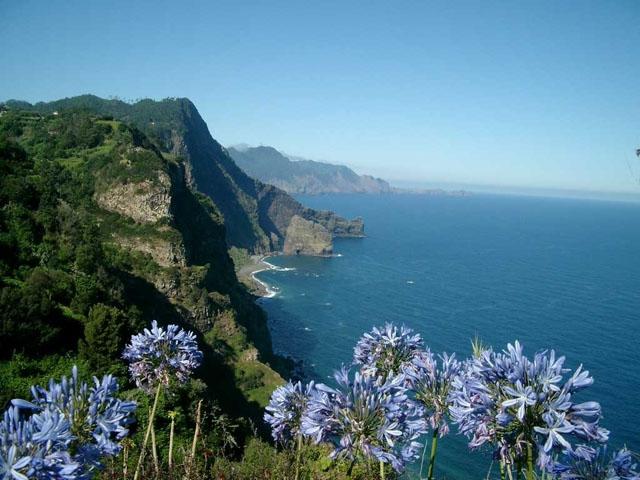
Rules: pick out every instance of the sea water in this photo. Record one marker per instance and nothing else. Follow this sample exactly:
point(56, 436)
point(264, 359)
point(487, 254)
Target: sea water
point(554, 273)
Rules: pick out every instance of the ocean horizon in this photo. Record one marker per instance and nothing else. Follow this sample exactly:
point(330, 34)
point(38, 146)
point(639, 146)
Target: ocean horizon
point(553, 273)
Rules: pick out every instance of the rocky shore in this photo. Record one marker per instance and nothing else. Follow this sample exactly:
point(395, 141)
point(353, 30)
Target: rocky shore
point(247, 275)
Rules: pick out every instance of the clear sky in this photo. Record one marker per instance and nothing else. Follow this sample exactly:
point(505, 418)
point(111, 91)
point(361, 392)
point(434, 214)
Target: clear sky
point(540, 93)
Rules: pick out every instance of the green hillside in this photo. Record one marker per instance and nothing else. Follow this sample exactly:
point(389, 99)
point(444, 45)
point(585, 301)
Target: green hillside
point(100, 234)
point(256, 215)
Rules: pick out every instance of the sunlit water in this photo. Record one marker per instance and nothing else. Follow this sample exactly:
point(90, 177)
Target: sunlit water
point(553, 273)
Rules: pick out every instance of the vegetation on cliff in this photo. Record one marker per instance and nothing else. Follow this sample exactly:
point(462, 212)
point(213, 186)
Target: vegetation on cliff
point(256, 215)
point(100, 233)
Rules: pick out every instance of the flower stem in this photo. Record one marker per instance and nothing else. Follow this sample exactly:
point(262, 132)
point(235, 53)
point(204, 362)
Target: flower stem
point(154, 450)
point(350, 469)
point(508, 468)
point(424, 453)
point(196, 433)
point(147, 434)
point(171, 432)
point(502, 474)
point(197, 430)
point(125, 460)
point(530, 472)
point(298, 454)
point(382, 477)
point(432, 458)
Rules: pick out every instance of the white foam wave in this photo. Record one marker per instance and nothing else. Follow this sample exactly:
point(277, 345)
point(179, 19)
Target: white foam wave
point(271, 291)
point(271, 266)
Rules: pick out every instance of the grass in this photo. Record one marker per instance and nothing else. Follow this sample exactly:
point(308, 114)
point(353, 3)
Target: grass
point(21, 372)
point(112, 123)
point(240, 257)
point(256, 380)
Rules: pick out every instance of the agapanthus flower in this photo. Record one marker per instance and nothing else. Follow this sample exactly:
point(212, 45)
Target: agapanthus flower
point(588, 463)
point(98, 418)
point(35, 445)
point(66, 416)
point(515, 403)
point(159, 354)
point(431, 384)
point(284, 412)
point(386, 351)
point(367, 418)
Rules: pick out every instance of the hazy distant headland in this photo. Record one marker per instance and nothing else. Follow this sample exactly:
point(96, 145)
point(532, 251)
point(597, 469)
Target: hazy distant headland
point(298, 175)
point(301, 176)
point(514, 190)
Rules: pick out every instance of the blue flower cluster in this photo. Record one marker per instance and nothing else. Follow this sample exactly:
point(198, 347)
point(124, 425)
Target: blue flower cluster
point(518, 405)
point(366, 417)
point(524, 407)
point(159, 354)
point(285, 409)
point(386, 351)
point(431, 384)
point(37, 437)
point(36, 446)
point(372, 415)
point(588, 463)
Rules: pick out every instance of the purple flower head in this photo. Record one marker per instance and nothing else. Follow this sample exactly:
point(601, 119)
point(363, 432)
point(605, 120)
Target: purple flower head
point(512, 402)
point(66, 416)
point(364, 417)
point(432, 383)
point(159, 354)
point(386, 351)
point(284, 412)
point(587, 463)
point(35, 445)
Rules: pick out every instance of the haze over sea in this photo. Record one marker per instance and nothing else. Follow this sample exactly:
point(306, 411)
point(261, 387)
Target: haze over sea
point(554, 273)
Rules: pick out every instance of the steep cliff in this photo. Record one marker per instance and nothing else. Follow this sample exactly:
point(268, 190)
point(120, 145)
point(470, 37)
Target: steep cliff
point(299, 175)
point(307, 238)
point(101, 217)
point(256, 215)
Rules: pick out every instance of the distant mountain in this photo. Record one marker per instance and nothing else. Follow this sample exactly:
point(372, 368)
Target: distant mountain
point(298, 175)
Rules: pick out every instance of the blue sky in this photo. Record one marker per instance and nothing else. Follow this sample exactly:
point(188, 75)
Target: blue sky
point(540, 93)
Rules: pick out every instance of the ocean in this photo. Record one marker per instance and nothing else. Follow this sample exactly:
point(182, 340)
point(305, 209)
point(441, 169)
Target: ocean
point(554, 273)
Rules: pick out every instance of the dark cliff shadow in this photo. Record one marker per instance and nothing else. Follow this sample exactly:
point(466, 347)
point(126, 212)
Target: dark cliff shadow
point(214, 371)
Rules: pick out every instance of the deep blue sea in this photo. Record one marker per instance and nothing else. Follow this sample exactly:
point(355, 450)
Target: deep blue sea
point(559, 274)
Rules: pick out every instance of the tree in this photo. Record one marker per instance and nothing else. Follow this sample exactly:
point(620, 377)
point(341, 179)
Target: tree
point(104, 337)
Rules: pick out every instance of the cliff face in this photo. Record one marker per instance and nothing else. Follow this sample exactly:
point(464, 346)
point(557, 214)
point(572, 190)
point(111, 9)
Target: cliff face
point(307, 238)
point(166, 253)
point(144, 202)
point(256, 215)
point(298, 175)
point(278, 209)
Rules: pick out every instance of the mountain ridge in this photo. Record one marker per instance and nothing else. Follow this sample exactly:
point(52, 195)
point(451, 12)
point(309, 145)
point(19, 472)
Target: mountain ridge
point(257, 215)
point(297, 175)
point(103, 234)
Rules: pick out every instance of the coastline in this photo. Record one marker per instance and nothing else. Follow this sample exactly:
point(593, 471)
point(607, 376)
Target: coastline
point(247, 275)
